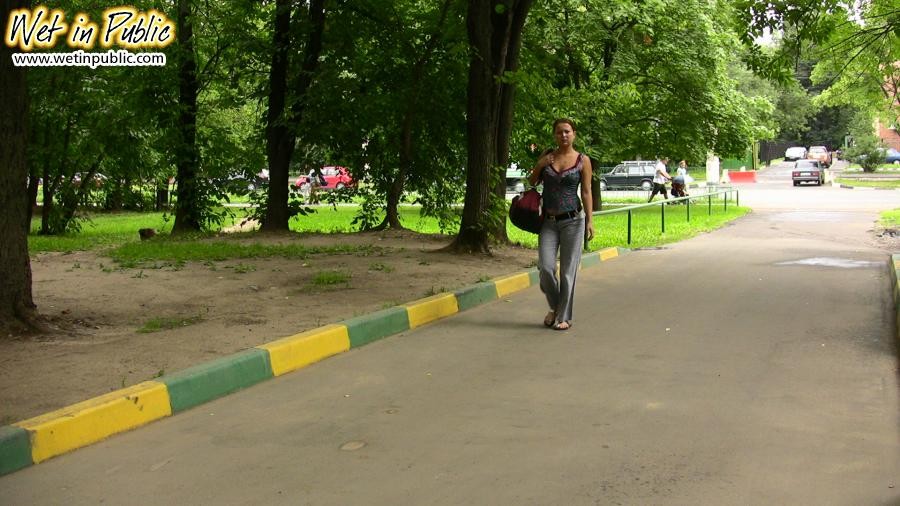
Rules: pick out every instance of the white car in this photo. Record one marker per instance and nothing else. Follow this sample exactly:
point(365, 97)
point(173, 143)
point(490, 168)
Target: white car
point(795, 153)
point(515, 179)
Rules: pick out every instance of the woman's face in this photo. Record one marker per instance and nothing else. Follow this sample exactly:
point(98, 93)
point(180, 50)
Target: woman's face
point(564, 134)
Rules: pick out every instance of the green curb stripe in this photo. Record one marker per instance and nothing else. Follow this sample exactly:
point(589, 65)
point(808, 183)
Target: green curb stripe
point(469, 297)
point(534, 276)
point(205, 382)
point(367, 328)
point(590, 260)
point(15, 449)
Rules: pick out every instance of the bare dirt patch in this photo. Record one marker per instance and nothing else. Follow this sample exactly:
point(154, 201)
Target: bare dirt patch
point(95, 309)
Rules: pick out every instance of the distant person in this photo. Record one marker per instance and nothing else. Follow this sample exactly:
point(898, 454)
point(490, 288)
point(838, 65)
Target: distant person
point(659, 179)
point(679, 182)
point(567, 220)
point(316, 180)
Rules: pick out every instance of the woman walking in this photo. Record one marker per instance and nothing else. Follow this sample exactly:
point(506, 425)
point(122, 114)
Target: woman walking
point(566, 221)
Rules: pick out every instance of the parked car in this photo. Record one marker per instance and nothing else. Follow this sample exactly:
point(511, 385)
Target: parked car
point(335, 179)
point(821, 154)
point(630, 174)
point(515, 179)
point(808, 171)
point(794, 153)
point(97, 179)
point(892, 156)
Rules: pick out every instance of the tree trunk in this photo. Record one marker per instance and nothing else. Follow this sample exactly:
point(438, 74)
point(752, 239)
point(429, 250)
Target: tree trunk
point(187, 208)
point(47, 208)
point(52, 186)
point(279, 140)
point(162, 194)
point(281, 131)
point(16, 301)
point(392, 211)
point(494, 29)
point(32, 198)
point(505, 114)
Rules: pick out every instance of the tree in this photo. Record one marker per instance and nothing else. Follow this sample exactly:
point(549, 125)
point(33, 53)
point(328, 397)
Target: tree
point(287, 102)
point(495, 30)
point(639, 78)
point(411, 113)
point(393, 103)
point(187, 209)
point(16, 302)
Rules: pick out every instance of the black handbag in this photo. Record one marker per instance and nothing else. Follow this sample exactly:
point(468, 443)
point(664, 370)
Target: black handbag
point(525, 211)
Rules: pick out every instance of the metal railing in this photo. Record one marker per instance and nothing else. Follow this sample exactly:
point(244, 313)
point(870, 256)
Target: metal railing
point(687, 200)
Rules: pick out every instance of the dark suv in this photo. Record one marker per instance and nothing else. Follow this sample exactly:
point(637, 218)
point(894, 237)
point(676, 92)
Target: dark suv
point(636, 174)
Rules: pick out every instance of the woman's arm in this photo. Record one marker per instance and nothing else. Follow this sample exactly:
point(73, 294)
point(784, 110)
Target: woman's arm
point(587, 173)
point(536, 170)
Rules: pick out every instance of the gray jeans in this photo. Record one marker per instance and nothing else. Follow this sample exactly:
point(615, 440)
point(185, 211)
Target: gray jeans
point(565, 237)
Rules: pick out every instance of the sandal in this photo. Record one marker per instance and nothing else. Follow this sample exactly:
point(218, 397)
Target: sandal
point(549, 319)
point(562, 326)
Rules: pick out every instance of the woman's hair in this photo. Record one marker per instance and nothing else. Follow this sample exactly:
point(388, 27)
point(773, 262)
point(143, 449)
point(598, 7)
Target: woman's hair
point(567, 121)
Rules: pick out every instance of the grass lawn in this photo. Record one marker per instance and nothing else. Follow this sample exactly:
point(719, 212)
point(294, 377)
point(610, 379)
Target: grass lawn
point(869, 184)
point(884, 167)
point(117, 232)
point(890, 219)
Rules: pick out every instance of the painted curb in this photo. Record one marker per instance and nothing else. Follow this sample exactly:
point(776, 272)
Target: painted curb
point(15, 449)
point(430, 309)
point(476, 295)
point(95, 419)
point(211, 380)
point(292, 353)
point(372, 327)
point(507, 285)
point(37, 439)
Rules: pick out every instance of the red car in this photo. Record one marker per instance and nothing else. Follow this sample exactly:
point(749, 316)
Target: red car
point(335, 178)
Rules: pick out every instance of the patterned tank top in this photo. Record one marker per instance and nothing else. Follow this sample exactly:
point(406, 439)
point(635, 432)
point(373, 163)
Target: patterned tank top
point(561, 188)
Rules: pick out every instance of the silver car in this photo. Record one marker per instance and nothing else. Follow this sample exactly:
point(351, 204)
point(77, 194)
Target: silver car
point(808, 171)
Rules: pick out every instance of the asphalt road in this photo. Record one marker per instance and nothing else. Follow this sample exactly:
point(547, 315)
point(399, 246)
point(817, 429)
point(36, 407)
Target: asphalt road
point(753, 365)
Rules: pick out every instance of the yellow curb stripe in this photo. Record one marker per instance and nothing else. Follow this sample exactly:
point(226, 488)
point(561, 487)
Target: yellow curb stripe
point(90, 421)
point(432, 308)
point(300, 350)
point(608, 253)
point(510, 284)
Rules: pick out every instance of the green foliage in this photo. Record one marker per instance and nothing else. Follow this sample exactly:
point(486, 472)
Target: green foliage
point(331, 278)
point(851, 49)
point(168, 323)
point(889, 218)
point(640, 79)
point(380, 267)
point(199, 250)
point(867, 153)
point(259, 201)
point(101, 230)
point(393, 65)
point(891, 184)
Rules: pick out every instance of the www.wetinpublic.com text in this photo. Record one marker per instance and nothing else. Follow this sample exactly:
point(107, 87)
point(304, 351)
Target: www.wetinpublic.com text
point(119, 58)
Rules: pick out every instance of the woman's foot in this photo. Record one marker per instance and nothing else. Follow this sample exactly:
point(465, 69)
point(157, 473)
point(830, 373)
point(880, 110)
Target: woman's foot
point(562, 326)
point(549, 319)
